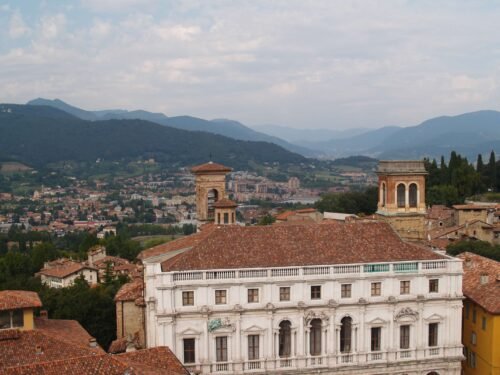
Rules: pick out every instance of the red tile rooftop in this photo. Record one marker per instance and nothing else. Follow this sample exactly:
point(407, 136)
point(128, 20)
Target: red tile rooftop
point(327, 243)
point(210, 167)
point(225, 203)
point(481, 281)
point(18, 299)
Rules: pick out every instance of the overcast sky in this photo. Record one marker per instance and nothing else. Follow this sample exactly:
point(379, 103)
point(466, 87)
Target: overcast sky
point(304, 64)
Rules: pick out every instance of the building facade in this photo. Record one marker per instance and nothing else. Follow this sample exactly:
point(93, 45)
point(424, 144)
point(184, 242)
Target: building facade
point(336, 298)
point(481, 318)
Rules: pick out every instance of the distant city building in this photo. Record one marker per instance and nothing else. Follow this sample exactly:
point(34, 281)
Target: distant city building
point(294, 183)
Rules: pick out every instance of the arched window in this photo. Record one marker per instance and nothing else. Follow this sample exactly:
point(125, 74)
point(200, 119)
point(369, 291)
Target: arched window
point(315, 337)
point(285, 339)
point(346, 335)
point(384, 194)
point(401, 192)
point(433, 373)
point(212, 197)
point(413, 195)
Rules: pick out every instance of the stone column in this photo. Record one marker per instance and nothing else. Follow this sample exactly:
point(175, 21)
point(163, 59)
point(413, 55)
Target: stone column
point(238, 358)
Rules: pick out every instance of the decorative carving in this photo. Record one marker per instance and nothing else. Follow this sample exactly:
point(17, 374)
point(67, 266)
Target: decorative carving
point(205, 309)
point(270, 306)
point(391, 299)
point(362, 301)
point(406, 312)
point(238, 308)
point(301, 305)
point(332, 303)
point(310, 315)
point(216, 324)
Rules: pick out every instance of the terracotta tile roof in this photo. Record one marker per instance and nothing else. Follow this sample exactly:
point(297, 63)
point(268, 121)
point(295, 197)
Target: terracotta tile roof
point(159, 360)
point(180, 243)
point(439, 212)
point(65, 269)
point(68, 330)
point(210, 167)
point(130, 291)
point(96, 365)
point(225, 203)
point(23, 349)
point(486, 294)
point(475, 206)
point(101, 263)
point(298, 245)
point(18, 299)
point(284, 215)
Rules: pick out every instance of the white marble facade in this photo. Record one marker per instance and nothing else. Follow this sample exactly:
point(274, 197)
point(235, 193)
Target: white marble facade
point(207, 319)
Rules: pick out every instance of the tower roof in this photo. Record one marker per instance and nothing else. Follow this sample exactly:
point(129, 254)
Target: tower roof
point(225, 203)
point(210, 167)
point(401, 167)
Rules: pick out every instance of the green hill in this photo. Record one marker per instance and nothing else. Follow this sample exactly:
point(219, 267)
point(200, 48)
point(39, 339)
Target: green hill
point(39, 135)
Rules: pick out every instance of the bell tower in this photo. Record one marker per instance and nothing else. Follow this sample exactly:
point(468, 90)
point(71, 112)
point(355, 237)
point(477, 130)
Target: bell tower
point(210, 180)
point(402, 196)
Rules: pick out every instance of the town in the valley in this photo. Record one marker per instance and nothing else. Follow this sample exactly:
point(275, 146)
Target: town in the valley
point(304, 292)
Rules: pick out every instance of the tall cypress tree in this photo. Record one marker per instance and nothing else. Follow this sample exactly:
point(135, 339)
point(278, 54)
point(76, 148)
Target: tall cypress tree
point(492, 170)
point(480, 164)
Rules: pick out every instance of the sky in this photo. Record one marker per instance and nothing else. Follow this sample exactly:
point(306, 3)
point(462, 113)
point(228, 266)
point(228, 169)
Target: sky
point(306, 64)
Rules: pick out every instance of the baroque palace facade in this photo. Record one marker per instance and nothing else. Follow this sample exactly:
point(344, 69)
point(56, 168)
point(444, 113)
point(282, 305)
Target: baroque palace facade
point(328, 298)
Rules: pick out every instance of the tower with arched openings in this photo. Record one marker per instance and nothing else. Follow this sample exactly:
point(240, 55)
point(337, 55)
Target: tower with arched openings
point(210, 180)
point(402, 196)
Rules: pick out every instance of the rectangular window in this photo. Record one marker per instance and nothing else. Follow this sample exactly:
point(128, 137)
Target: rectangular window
point(404, 287)
point(17, 318)
point(474, 315)
point(221, 348)
point(253, 295)
point(404, 337)
point(189, 356)
point(345, 290)
point(188, 298)
point(433, 334)
point(284, 293)
point(5, 320)
point(467, 308)
point(220, 297)
point(473, 338)
point(376, 338)
point(226, 218)
point(472, 359)
point(483, 323)
point(316, 292)
point(434, 286)
point(253, 347)
point(376, 289)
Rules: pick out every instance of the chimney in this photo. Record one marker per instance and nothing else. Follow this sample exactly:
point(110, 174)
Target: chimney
point(92, 343)
point(468, 262)
point(484, 279)
point(38, 349)
point(44, 314)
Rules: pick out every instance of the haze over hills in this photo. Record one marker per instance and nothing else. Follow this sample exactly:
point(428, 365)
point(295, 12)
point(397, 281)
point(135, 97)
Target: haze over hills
point(308, 135)
point(39, 135)
point(228, 128)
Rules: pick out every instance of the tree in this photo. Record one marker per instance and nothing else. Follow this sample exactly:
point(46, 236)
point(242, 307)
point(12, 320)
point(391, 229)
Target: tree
point(492, 171)
point(350, 203)
point(267, 220)
point(482, 248)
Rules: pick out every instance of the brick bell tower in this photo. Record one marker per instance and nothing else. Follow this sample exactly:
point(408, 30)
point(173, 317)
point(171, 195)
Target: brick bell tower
point(401, 200)
point(210, 180)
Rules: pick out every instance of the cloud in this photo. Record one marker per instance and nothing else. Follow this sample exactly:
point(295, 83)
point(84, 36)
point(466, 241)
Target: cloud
point(332, 63)
point(17, 26)
point(52, 26)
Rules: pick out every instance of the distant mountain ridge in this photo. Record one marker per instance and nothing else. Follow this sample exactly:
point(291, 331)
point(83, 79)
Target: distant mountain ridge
point(228, 128)
point(39, 135)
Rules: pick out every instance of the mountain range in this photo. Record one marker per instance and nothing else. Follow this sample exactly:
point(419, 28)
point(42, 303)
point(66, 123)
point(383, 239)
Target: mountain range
point(468, 134)
point(228, 128)
point(39, 135)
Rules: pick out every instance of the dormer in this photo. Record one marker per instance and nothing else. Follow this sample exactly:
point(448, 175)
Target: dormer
point(17, 309)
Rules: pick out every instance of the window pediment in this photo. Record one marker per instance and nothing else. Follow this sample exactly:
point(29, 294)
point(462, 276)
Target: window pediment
point(434, 318)
point(190, 332)
point(254, 329)
point(377, 322)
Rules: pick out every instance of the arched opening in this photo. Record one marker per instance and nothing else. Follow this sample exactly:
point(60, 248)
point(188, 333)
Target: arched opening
point(413, 195)
point(285, 339)
point(212, 197)
point(346, 335)
point(384, 194)
point(315, 337)
point(433, 373)
point(401, 195)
